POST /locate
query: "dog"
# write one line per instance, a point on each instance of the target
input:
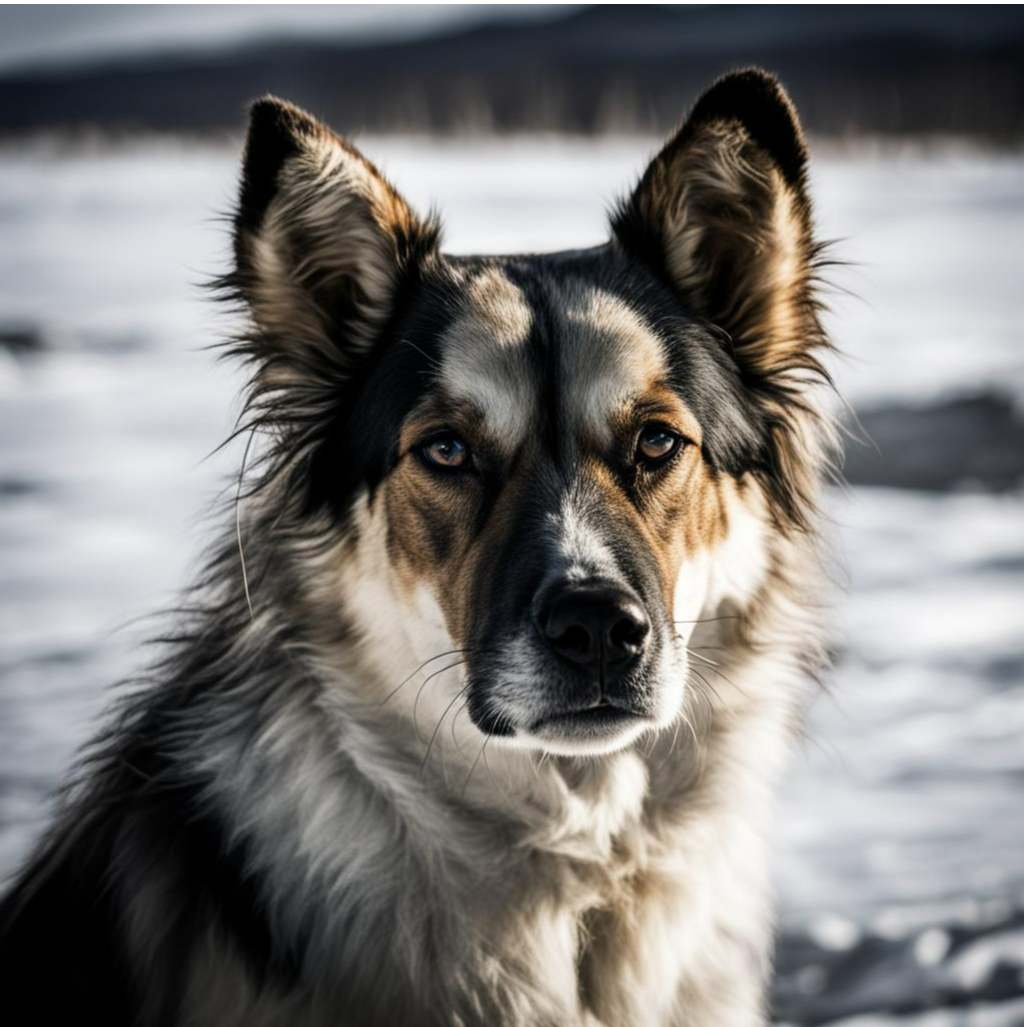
(476, 714)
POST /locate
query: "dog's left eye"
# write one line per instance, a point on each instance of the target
(448, 451)
(657, 444)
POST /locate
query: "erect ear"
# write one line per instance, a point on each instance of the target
(723, 214)
(323, 244)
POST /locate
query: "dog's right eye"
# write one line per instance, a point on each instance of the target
(446, 451)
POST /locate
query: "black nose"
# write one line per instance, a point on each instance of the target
(600, 625)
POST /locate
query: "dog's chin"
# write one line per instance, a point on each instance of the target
(599, 727)
(592, 732)
(596, 731)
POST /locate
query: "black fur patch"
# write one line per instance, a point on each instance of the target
(270, 142)
(755, 100)
(61, 949)
(64, 946)
(358, 444)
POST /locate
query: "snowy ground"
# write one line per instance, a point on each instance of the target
(900, 855)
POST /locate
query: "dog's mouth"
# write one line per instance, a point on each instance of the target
(602, 724)
(532, 702)
(603, 715)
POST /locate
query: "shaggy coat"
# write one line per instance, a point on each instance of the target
(476, 715)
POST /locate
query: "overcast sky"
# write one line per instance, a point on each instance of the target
(36, 36)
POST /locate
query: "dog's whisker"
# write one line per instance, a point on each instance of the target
(701, 693)
(424, 684)
(434, 734)
(470, 773)
(238, 523)
(715, 667)
(410, 677)
(452, 724)
(652, 740)
(699, 656)
(691, 730)
(710, 620)
(674, 737)
(724, 709)
(495, 784)
(716, 670)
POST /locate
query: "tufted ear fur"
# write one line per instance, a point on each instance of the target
(325, 250)
(722, 214)
(323, 246)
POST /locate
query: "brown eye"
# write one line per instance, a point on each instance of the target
(656, 444)
(447, 451)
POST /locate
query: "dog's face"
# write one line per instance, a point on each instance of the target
(544, 482)
(553, 466)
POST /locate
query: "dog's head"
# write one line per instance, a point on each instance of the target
(554, 465)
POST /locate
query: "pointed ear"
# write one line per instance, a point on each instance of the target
(722, 213)
(323, 245)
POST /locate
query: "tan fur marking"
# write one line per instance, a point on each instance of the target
(679, 515)
(482, 358)
(614, 358)
(660, 403)
(500, 307)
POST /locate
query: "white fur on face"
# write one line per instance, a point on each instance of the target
(732, 571)
(483, 358)
(740, 563)
(612, 357)
(416, 665)
(584, 554)
(608, 357)
(691, 593)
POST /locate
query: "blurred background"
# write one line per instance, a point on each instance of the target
(899, 857)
